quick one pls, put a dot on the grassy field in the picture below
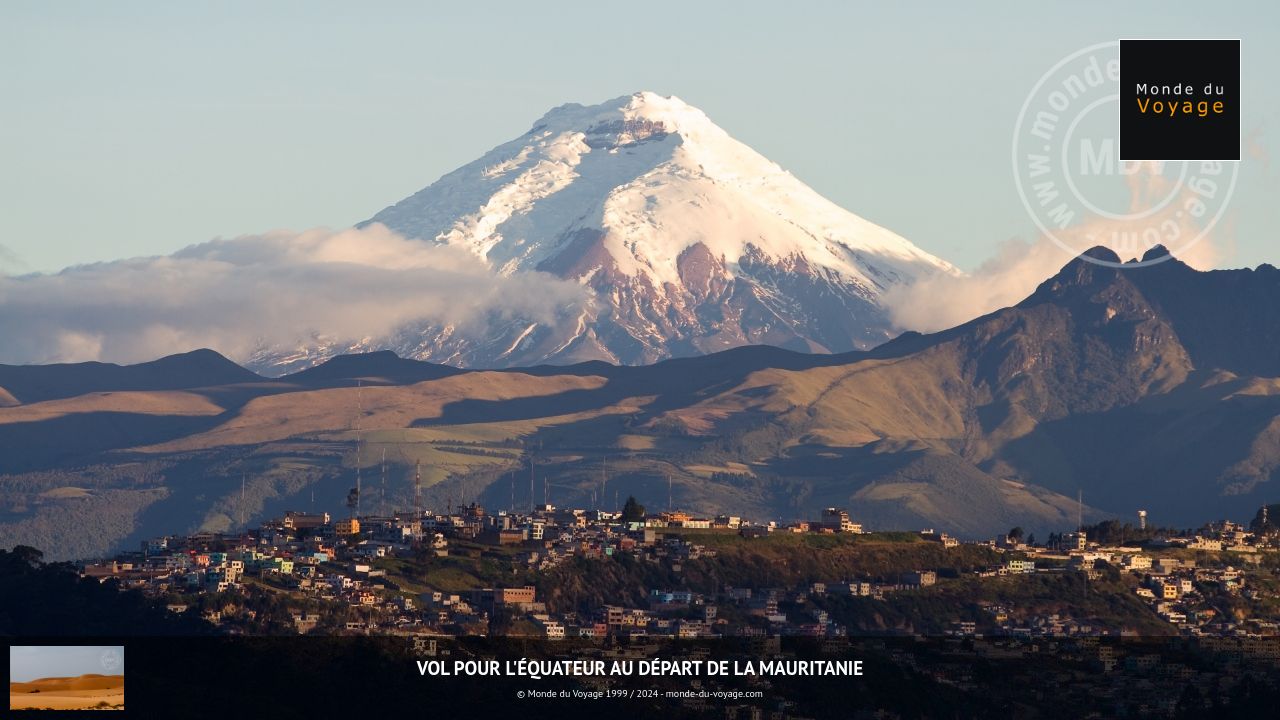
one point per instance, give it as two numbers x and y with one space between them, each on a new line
468 566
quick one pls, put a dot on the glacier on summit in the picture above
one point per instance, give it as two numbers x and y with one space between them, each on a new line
687 241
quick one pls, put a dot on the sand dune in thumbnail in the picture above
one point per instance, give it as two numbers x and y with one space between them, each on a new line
84 692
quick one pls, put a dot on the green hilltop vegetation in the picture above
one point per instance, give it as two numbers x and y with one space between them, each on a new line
779 560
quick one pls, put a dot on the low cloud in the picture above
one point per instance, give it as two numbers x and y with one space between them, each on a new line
276 290
944 301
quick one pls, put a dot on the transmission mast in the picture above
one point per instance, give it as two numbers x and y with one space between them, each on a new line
417 489
359 412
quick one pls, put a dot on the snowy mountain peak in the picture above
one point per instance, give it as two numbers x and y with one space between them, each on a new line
631 118
686 240
652 176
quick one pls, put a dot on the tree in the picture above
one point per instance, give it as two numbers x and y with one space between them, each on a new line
27 555
632 511
66 604
1031 539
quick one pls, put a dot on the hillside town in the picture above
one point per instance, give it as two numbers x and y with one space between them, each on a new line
356 575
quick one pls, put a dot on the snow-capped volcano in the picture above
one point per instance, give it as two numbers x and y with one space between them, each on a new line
687 240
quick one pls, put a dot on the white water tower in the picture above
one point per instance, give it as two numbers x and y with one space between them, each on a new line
1142 519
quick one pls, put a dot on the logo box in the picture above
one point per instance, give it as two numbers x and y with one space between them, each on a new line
1179 99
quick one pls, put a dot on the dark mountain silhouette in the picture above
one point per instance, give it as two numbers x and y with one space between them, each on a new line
381 367
1226 319
195 369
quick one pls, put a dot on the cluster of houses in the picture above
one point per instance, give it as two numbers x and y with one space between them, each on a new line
1175 587
339 561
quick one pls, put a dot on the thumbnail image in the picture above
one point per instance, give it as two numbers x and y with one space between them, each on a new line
66 677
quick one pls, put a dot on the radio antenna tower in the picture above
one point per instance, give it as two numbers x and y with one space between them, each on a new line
359 412
242 474
417 489
1079 509
382 501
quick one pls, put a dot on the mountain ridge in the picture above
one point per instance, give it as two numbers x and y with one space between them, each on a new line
1105 382
196 368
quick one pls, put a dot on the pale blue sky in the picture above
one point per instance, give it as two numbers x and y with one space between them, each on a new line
32 662
136 128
